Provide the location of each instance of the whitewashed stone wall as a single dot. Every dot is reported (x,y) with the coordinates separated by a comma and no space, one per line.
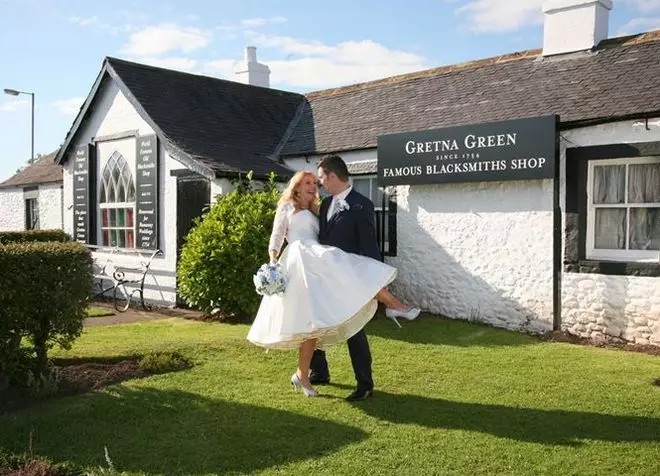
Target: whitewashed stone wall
(12,209)
(594,305)
(478,251)
(619,306)
(50,206)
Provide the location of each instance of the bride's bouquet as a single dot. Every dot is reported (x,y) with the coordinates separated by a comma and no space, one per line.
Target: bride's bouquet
(270,279)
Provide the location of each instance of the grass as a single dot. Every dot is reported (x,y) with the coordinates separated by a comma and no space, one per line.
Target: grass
(452,398)
(99,312)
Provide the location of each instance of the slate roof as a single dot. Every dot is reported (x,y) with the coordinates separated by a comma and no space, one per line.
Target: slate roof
(217,125)
(620,78)
(43,171)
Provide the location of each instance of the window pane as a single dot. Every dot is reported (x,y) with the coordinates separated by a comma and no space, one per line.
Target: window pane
(113,237)
(121,193)
(377,195)
(645,228)
(120,217)
(121,238)
(129,239)
(106,238)
(129,217)
(644,183)
(610,232)
(609,183)
(105,217)
(113,217)
(115,174)
(362,186)
(117,183)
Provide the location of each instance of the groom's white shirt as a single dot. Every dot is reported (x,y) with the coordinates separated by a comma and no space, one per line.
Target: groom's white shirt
(336,198)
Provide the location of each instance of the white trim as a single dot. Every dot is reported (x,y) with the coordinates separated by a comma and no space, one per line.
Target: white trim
(615,254)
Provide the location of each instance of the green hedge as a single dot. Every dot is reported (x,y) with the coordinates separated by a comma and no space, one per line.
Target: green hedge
(44,293)
(33,235)
(224,250)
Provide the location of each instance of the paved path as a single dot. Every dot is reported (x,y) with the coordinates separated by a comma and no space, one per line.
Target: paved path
(135,315)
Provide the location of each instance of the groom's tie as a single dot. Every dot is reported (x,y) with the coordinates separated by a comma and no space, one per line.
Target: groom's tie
(333,207)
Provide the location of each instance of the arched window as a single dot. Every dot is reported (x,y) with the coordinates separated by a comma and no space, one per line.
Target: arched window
(117,202)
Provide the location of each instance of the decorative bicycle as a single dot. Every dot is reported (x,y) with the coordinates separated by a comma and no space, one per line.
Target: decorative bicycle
(121,297)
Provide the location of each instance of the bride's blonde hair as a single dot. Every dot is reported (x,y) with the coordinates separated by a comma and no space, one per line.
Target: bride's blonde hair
(292,195)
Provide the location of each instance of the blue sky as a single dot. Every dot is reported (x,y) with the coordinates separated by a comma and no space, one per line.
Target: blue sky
(56,48)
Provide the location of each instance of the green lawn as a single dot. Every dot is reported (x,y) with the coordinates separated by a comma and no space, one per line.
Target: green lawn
(452,398)
(99,311)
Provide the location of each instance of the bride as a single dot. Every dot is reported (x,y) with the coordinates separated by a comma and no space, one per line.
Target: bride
(330,294)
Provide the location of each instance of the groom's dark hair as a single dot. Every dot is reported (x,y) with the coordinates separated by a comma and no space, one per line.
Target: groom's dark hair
(335,164)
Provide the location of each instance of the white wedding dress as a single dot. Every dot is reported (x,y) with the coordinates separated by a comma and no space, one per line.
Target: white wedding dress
(329,294)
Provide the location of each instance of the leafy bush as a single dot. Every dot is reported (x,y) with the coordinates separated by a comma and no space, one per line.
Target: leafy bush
(44,293)
(33,235)
(162,362)
(224,250)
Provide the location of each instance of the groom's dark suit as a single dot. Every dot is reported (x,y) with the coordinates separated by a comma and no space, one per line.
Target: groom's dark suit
(353,231)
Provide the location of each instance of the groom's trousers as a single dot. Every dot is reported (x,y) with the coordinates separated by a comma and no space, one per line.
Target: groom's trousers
(358,349)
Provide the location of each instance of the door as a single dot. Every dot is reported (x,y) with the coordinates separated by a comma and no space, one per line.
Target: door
(192,199)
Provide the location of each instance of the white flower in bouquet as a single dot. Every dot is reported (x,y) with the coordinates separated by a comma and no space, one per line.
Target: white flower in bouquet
(269,280)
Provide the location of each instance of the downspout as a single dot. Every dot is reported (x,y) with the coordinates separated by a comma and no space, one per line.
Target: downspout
(556,237)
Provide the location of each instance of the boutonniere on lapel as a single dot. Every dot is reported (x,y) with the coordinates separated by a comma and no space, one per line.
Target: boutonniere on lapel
(343,206)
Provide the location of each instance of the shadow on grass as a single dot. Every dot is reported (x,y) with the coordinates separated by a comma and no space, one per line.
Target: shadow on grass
(556,427)
(436,330)
(175,432)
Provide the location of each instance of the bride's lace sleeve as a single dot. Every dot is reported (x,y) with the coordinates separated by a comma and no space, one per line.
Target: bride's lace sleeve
(280,225)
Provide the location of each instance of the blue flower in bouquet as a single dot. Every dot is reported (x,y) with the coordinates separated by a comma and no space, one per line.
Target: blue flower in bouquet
(269,280)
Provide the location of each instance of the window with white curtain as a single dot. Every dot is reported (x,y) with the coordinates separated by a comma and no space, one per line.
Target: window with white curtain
(623,215)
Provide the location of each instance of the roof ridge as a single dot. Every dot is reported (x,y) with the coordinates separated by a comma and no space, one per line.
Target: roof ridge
(113,59)
(629,40)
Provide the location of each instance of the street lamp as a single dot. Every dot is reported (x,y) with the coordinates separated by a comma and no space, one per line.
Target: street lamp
(16,92)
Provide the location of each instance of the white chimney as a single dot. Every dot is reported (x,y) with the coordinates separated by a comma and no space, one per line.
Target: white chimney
(249,71)
(574,25)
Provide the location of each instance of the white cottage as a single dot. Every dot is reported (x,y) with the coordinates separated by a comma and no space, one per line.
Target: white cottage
(147,152)
(521,190)
(32,198)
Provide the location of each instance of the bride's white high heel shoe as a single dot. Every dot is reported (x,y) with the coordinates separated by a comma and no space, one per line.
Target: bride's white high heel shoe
(297,383)
(410,314)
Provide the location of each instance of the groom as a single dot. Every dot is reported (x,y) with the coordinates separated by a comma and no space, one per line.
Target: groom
(351,229)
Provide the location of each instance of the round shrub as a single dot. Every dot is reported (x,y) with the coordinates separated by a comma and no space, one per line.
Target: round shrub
(224,250)
(163,362)
(45,290)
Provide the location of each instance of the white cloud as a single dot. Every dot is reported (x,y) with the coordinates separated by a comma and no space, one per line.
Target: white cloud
(222,68)
(159,39)
(499,16)
(321,66)
(69,107)
(13,105)
(639,25)
(257,22)
(81,21)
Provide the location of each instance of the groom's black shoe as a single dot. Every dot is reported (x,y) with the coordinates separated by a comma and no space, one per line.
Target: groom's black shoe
(316,379)
(359,395)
